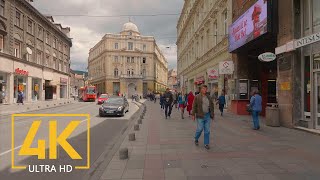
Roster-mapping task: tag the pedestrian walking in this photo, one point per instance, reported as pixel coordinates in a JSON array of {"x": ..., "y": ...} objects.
[
  {"x": 20, "y": 97},
  {"x": 190, "y": 100},
  {"x": 155, "y": 98},
  {"x": 175, "y": 99},
  {"x": 256, "y": 107},
  {"x": 161, "y": 101},
  {"x": 203, "y": 111},
  {"x": 182, "y": 100},
  {"x": 168, "y": 100},
  {"x": 221, "y": 102}
]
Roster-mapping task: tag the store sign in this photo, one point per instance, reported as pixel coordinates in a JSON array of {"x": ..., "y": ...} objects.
[
  {"x": 252, "y": 24},
  {"x": 200, "y": 80},
  {"x": 226, "y": 67},
  {"x": 21, "y": 72},
  {"x": 213, "y": 73},
  {"x": 63, "y": 81},
  {"x": 307, "y": 40},
  {"x": 267, "y": 57}
]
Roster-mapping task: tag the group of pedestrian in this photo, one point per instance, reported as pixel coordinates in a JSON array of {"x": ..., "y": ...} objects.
[{"x": 201, "y": 107}]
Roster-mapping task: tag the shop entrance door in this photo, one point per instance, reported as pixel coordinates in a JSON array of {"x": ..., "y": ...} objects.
[{"x": 317, "y": 99}]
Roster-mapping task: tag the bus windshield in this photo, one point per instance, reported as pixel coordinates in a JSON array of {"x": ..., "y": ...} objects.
[{"x": 91, "y": 90}]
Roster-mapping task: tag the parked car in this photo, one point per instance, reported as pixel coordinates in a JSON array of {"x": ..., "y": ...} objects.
[
  {"x": 102, "y": 98},
  {"x": 114, "y": 106}
]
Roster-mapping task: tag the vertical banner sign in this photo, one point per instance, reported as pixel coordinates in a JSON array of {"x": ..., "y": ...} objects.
[{"x": 226, "y": 67}]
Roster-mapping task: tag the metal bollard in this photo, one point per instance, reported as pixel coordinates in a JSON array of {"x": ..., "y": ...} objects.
[
  {"x": 123, "y": 153},
  {"x": 136, "y": 127},
  {"x": 139, "y": 121},
  {"x": 132, "y": 137}
]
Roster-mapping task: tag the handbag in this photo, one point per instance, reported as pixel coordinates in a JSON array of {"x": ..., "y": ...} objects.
[{"x": 249, "y": 108}]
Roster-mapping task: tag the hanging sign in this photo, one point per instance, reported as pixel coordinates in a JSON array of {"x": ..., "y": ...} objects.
[
  {"x": 226, "y": 67},
  {"x": 267, "y": 57},
  {"x": 213, "y": 73}
]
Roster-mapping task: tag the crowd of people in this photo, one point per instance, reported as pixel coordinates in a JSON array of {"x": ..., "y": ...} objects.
[{"x": 200, "y": 107}]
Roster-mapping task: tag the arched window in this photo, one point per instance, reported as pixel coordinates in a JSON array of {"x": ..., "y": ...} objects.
[{"x": 116, "y": 72}]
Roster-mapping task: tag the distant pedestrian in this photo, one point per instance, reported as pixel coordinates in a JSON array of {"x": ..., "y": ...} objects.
[
  {"x": 168, "y": 100},
  {"x": 203, "y": 111},
  {"x": 175, "y": 99},
  {"x": 190, "y": 100},
  {"x": 256, "y": 106},
  {"x": 182, "y": 100},
  {"x": 161, "y": 101},
  {"x": 20, "y": 97},
  {"x": 221, "y": 102}
]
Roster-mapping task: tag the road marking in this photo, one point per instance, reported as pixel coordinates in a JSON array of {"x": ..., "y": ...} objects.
[{"x": 18, "y": 147}]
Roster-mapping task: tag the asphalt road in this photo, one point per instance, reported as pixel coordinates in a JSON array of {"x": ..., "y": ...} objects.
[{"x": 103, "y": 132}]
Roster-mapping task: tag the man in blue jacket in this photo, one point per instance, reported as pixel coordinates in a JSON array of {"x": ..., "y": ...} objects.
[{"x": 256, "y": 106}]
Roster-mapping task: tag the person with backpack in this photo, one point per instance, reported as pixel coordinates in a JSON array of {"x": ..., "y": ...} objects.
[
  {"x": 256, "y": 108},
  {"x": 20, "y": 97},
  {"x": 182, "y": 100},
  {"x": 203, "y": 112},
  {"x": 221, "y": 102}
]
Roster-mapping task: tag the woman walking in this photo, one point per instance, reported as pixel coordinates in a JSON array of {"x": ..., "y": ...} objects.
[
  {"x": 182, "y": 99},
  {"x": 221, "y": 102},
  {"x": 190, "y": 100},
  {"x": 256, "y": 106}
]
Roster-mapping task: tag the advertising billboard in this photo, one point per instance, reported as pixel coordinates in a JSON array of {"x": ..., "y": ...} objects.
[{"x": 252, "y": 24}]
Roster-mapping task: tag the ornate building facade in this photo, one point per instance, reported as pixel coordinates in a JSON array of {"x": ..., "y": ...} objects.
[
  {"x": 172, "y": 79},
  {"x": 34, "y": 54},
  {"x": 203, "y": 43},
  {"x": 127, "y": 63}
]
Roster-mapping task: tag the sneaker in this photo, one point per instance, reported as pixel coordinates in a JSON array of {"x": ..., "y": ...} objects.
[
  {"x": 207, "y": 146},
  {"x": 196, "y": 142}
]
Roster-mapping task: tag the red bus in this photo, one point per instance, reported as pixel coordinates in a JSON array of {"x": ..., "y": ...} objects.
[{"x": 88, "y": 93}]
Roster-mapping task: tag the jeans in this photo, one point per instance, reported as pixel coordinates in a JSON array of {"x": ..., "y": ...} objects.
[
  {"x": 203, "y": 124},
  {"x": 255, "y": 118},
  {"x": 221, "y": 107},
  {"x": 168, "y": 106}
]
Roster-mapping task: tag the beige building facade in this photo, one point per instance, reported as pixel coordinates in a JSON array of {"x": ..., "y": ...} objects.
[
  {"x": 127, "y": 63},
  {"x": 34, "y": 54},
  {"x": 172, "y": 79},
  {"x": 203, "y": 43}
]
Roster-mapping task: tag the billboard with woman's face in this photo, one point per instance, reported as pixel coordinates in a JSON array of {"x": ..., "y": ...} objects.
[{"x": 252, "y": 24}]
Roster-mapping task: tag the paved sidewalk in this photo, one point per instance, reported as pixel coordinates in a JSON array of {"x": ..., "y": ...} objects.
[
  {"x": 164, "y": 149},
  {"x": 8, "y": 109}
]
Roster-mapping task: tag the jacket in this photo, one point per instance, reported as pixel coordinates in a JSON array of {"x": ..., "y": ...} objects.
[
  {"x": 222, "y": 99},
  {"x": 197, "y": 106},
  {"x": 256, "y": 103},
  {"x": 168, "y": 98}
]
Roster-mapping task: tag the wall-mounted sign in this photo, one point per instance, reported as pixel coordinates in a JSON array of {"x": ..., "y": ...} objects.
[
  {"x": 267, "y": 57},
  {"x": 21, "y": 72},
  {"x": 307, "y": 40},
  {"x": 226, "y": 67},
  {"x": 252, "y": 24},
  {"x": 213, "y": 73}
]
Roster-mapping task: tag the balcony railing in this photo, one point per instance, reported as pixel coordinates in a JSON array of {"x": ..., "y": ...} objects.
[{"x": 131, "y": 76}]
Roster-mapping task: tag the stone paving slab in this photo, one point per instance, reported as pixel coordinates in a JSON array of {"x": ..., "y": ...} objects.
[{"x": 164, "y": 149}]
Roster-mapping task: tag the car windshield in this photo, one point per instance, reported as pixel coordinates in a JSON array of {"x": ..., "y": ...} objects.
[
  {"x": 104, "y": 96},
  {"x": 114, "y": 101}
]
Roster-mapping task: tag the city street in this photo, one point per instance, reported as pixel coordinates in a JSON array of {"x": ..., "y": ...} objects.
[{"x": 104, "y": 130}]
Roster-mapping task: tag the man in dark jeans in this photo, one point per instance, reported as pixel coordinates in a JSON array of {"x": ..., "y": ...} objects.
[{"x": 168, "y": 99}]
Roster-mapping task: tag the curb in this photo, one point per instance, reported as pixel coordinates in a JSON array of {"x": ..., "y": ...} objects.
[
  {"x": 104, "y": 159},
  {"x": 310, "y": 131}
]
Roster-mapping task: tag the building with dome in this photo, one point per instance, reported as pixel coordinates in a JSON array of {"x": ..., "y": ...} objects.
[{"x": 127, "y": 63}]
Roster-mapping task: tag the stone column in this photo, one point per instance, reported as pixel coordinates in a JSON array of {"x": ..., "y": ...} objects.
[
  {"x": 28, "y": 95},
  {"x": 10, "y": 87}
]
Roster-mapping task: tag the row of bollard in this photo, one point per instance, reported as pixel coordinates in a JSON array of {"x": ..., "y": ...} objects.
[{"x": 124, "y": 152}]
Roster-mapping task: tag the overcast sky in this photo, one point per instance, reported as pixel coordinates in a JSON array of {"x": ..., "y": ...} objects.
[{"x": 87, "y": 31}]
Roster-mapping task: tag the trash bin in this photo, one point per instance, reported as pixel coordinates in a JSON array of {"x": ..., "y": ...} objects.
[{"x": 272, "y": 115}]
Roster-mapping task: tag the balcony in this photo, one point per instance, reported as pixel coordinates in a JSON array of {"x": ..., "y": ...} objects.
[{"x": 135, "y": 76}]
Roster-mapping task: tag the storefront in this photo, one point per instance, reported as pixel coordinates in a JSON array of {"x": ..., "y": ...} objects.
[
  {"x": 252, "y": 34},
  {"x": 213, "y": 82},
  {"x": 20, "y": 84},
  {"x": 36, "y": 82},
  {"x": 3, "y": 88}
]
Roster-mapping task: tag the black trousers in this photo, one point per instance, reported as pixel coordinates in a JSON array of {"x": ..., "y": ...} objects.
[
  {"x": 221, "y": 107},
  {"x": 168, "y": 106}
]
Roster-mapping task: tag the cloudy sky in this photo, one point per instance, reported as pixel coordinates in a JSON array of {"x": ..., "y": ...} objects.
[{"x": 87, "y": 29}]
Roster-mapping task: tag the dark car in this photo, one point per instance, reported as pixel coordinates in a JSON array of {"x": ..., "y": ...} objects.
[{"x": 114, "y": 106}]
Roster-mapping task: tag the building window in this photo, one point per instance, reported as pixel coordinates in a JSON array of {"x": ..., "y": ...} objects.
[
  {"x": 128, "y": 59},
  {"x": 60, "y": 46},
  {"x": 54, "y": 65},
  {"x": 47, "y": 37},
  {"x": 65, "y": 49},
  {"x": 306, "y": 14},
  {"x": 132, "y": 59},
  {"x": 17, "y": 49},
  {"x": 2, "y": 7},
  {"x": 30, "y": 26},
  {"x": 144, "y": 60},
  {"x": 39, "y": 57},
  {"x": 40, "y": 33},
  {"x": 54, "y": 43},
  {"x": 130, "y": 45},
  {"x": 116, "y": 72},
  {"x": 215, "y": 32},
  {"x": 225, "y": 22},
  {"x": 128, "y": 72},
  {"x": 18, "y": 19},
  {"x": 116, "y": 46},
  {"x": 65, "y": 67},
  {"x": 1, "y": 43},
  {"x": 60, "y": 65},
  {"x": 144, "y": 47},
  {"x": 132, "y": 72},
  {"x": 316, "y": 16},
  {"x": 116, "y": 59}
]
